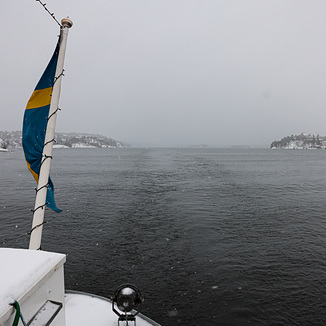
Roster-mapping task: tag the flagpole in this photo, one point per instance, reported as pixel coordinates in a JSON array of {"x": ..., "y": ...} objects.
[{"x": 40, "y": 200}]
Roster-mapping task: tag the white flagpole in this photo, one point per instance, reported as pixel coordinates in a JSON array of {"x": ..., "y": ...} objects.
[{"x": 40, "y": 200}]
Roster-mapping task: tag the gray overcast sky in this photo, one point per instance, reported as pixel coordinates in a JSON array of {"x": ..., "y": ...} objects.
[{"x": 173, "y": 72}]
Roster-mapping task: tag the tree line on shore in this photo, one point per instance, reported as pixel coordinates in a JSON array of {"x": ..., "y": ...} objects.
[
  {"x": 13, "y": 139},
  {"x": 300, "y": 141}
]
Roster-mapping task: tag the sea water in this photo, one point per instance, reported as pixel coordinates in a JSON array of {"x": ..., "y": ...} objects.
[{"x": 210, "y": 236}]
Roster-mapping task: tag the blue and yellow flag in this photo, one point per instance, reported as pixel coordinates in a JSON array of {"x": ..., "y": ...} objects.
[{"x": 35, "y": 124}]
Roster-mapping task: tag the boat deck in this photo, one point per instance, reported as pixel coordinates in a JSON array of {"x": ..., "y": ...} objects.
[
  {"x": 83, "y": 309},
  {"x": 38, "y": 288}
]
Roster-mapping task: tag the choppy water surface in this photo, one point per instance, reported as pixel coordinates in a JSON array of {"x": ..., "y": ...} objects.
[{"x": 211, "y": 236}]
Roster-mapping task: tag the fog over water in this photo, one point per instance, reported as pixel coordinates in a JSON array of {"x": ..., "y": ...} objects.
[{"x": 169, "y": 73}]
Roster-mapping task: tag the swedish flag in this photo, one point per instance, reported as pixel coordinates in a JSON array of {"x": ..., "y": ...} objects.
[{"x": 35, "y": 124}]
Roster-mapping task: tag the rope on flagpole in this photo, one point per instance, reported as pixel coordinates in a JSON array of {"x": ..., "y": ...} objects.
[
  {"x": 35, "y": 227},
  {"x": 41, "y": 206},
  {"x": 50, "y": 141},
  {"x": 45, "y": 157},
  {"x": 58, "y": 109},
  {"x": 61, "y": 74},
  {"x": 51, "y": 13},
  {"x": 38, "y": 189}
]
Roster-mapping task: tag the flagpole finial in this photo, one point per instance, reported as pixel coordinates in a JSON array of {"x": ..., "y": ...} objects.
[{"x": 66, "y": 22}]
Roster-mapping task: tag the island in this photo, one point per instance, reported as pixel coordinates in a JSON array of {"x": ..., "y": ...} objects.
[
  {"x": 13, "y": 139},
  {"x": 302, "y": 141}
]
